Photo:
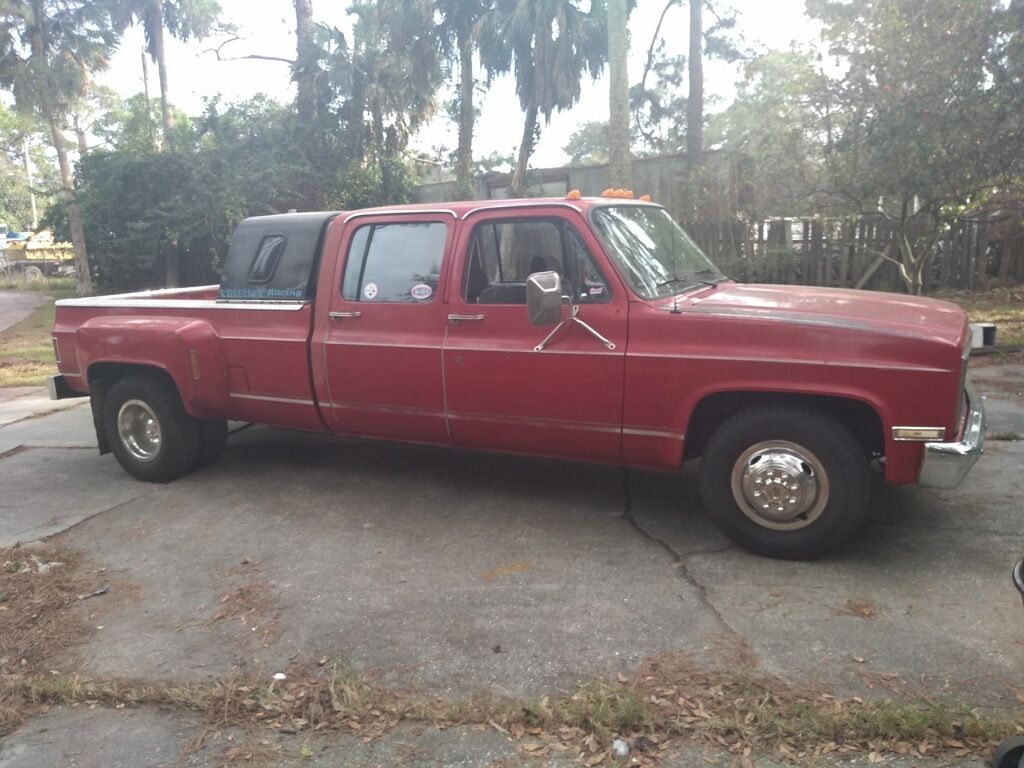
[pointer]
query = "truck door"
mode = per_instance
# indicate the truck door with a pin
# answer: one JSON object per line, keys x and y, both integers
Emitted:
{"x": 564, "y": 400}
{"x": 381, "y": 344}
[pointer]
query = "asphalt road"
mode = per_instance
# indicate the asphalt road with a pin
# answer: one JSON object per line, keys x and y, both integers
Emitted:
{"x": 416, "y": 564}
{"x": 17, "y": 305}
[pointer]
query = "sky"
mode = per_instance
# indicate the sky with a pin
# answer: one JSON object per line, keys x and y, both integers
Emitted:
{"x": 266, "y": 27}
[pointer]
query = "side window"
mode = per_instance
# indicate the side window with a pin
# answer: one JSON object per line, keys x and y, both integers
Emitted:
{"x": 504, "y": 253}
{"x": 394, "y": 262}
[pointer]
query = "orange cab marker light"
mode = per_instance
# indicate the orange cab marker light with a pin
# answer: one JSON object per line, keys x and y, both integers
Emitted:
{"x": 608, "y": 193}
{"x": 645, "y": 198}
{"x": 574, "y": 194}
{"x": 620, "y": 193}
{"x": 629, "y": 194}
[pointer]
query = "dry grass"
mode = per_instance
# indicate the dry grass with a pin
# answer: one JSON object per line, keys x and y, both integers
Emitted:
{"x": 666, "y": 701}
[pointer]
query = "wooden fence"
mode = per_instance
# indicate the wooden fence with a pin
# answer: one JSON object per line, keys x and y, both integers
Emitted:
{"x": 844, "y": 253}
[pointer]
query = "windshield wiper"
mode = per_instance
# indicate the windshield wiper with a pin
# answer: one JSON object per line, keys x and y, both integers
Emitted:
{"x": 687, "y": 279}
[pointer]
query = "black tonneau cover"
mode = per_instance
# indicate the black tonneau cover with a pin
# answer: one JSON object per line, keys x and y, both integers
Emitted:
{"x": 275, "y": 258}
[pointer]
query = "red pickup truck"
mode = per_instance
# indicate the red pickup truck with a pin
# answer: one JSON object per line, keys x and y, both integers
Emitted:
{"x": 590, "y": 329}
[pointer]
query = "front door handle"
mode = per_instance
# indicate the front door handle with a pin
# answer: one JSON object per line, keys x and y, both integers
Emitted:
{"x": 342, "y": 315}
{"x": 462, "y": 318}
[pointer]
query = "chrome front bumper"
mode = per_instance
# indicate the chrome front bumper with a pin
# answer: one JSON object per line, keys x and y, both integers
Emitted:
{"x": 945, "y": 465}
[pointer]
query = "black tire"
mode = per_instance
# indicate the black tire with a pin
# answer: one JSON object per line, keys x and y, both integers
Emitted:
{"x": 177, "y": 448}
{"x": 1009, "y": 754}
{"x": 816, "y": 450}
{"x": 213, "y": 437}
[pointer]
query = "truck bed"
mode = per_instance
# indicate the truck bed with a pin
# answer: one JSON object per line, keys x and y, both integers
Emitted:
{"x": 244, "y": 360}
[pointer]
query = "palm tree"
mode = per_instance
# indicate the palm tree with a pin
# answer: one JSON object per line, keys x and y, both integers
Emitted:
{"x": 458, "y": 20}
{"x": 395, "y": 69}
{"x": 46, "y": 50}
{"x": 620, "y": 161}
{"x": 184, "y": 19}
{"x": 548, "y": 44}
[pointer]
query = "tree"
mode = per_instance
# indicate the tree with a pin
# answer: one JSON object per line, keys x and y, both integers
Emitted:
{"x": 589, "y": 144}
{"x": 923, "y": 123}
{"x": 24, "y": 169}
{"x": 548, "y": 45}
{"x": 778, "y": 121}
{"x": 304, "y": 70}
{"x": 458, "y": 21}
{"x": 184, "y": 19}
{"x": 664, "y": 112}
{"x": 620, "y": 172}
{"x": 395, "y": 72}
{"x": 695, "y": 102}
{"x": 46, "y": 49}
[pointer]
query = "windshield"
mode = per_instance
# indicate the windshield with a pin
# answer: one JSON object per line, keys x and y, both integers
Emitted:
{"x": 651, "y": 252}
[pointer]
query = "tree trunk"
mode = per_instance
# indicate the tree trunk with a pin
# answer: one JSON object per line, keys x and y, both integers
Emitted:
{"x": 620, "y": 172}
{"x": 303, "y": 71}
{"x": 83, "y": 278}
{"x": 518, "y": 187}
{"x": 464, "y": 155}
{"x": 156, "y": 32}
{"x": 83, "y": 145}
{"x": 695, "y": 102}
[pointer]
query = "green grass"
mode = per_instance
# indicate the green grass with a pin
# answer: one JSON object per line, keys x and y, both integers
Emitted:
{"x": 26, "y": 351}
{"x": 63, "y": 285}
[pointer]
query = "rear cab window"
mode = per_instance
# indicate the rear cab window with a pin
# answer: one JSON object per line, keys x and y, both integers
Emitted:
{"x": 504, "y": 252}
{"x": 395, "y": 262}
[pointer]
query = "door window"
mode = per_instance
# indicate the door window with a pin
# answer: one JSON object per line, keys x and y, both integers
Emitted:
{"x": 502, "y": 254}
{"x": 394, "y": 262}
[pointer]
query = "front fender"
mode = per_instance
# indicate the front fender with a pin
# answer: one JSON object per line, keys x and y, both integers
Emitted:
{"x": 186, "y": 349}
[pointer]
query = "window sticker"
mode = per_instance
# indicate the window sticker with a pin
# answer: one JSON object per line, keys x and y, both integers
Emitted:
{"x": 370, "y": 291}
{"x": 422, "y": 292}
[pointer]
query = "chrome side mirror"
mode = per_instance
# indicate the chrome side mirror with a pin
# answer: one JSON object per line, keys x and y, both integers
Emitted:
{"x": 544, "y": 298}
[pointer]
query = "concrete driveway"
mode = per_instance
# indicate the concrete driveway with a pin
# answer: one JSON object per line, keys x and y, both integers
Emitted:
{"x": 457, "y": 572}
{"x": 15, "y": 306}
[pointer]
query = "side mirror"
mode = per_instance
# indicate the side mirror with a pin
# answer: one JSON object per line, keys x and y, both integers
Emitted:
{"x": 544, "y": 298}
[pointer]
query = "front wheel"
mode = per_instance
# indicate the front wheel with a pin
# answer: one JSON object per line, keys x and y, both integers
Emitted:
{"x": 785, "y": 482}
{"x": 151, "y": 436}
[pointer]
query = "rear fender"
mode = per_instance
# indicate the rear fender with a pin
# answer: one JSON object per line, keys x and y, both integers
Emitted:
{"x": 187, "y": 350}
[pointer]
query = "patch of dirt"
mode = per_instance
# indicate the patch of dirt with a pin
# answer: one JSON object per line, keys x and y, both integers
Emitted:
{"x": 247, "y": 606}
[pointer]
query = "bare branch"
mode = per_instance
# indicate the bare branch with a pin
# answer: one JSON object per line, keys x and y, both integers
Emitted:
{"x": 216, "y": 52}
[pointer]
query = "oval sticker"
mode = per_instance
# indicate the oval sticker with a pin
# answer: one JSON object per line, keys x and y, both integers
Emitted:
{"x": 370, "y": 291}
{"x": 422, "y": 292}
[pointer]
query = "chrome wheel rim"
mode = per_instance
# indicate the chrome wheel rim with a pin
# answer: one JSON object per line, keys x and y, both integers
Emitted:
{"x": 780, "y": 485}
{"x": 139, "y": 430}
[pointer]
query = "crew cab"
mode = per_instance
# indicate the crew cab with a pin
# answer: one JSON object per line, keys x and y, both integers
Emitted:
{"x": 580, "y": 328}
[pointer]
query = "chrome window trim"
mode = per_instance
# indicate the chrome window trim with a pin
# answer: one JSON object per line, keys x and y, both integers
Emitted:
{"x": 516, "y": 206}
{"x": 272, "y": 306}
{"x": 401, "y": 212}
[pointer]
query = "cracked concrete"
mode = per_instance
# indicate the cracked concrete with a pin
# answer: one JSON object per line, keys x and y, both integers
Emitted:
{"x": 453, "y": 572}
{"x": 679, "y": 561}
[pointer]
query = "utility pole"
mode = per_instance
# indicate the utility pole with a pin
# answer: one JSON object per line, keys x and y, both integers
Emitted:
{"x": 31, "y": 188}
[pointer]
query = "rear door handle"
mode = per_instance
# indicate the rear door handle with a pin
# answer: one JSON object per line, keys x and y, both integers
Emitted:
{"x": 464, "y": 318}
{"x": 342, "y": 315}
